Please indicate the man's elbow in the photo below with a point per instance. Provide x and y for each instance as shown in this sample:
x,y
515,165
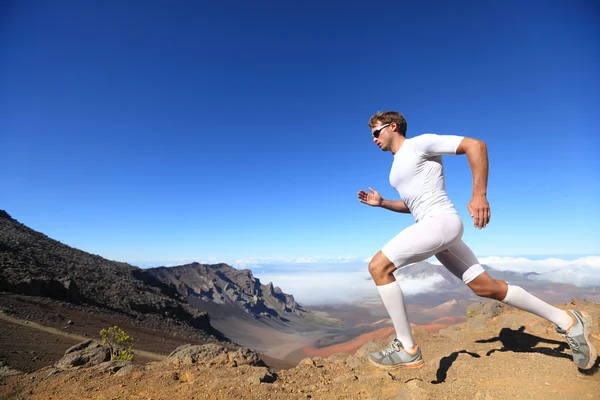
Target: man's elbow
x,y
480,146
471,146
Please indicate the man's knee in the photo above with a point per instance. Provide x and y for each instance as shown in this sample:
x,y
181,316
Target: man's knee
x,y
380,267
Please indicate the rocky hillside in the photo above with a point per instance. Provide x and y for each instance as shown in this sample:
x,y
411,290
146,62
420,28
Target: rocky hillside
x,y
36,265
225,285
499,353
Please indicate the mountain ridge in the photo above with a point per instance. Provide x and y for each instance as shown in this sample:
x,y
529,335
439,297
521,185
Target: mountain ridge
x,y
37,265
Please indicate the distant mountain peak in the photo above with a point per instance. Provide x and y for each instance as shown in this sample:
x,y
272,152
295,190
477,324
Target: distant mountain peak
x,y
225,285
4,214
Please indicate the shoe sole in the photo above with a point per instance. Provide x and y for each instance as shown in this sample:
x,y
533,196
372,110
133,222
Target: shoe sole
x,y
410,365
587,324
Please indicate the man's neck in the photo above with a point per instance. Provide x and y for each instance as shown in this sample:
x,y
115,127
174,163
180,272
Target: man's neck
x,y
397,143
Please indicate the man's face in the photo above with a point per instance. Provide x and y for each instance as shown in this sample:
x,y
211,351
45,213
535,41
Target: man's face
x,y
382,135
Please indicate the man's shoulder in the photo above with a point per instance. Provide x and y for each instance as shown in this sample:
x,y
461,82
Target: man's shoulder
x,y
423,137
426,135
433,137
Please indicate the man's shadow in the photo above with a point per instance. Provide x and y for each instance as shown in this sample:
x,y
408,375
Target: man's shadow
x,y
446,363
520,342
516,341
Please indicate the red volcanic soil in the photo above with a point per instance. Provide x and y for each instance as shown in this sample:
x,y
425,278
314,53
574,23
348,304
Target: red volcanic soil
x,y
353,345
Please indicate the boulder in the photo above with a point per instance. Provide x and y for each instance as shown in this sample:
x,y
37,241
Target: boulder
x,y
212,354
86,354
190,354
486,310
261,375
244,356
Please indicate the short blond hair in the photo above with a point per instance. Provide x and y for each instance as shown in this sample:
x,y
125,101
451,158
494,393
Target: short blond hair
x,y
387,117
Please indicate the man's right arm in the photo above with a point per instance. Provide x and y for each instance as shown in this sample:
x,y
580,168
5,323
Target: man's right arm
x,y
395,205
374,199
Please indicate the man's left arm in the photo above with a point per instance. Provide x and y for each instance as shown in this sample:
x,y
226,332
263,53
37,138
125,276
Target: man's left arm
x,y
476,152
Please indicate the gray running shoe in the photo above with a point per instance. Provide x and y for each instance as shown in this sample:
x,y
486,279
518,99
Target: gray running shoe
x,y
578,338
394,356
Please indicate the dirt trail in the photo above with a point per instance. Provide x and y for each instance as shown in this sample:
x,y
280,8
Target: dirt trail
x,y
141,353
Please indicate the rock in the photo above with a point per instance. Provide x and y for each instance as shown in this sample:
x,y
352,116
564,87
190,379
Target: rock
x,y
86,353
244,356
126,370
486,310
320,361
261,375
212,354
307,361
189,354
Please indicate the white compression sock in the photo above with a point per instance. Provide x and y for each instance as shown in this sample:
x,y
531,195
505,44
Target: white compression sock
x,y
518,297
393,300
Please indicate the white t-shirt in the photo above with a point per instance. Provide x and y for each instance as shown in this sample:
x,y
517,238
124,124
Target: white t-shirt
x,y
418,174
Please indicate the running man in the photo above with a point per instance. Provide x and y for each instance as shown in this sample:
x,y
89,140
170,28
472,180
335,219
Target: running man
x,y
418,176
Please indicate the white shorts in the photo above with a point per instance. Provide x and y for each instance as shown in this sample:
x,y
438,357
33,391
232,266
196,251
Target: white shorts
x,y
440,236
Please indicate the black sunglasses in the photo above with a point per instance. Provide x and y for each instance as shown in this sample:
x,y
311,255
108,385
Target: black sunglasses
x,y
378,131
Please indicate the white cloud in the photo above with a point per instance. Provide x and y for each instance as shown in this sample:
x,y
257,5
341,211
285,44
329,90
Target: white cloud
x,y
420,284
578,276
582,272
311,287
322,287
245,262
330,282
521,264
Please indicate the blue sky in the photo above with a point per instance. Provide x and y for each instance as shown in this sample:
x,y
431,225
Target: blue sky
x,y
229,131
